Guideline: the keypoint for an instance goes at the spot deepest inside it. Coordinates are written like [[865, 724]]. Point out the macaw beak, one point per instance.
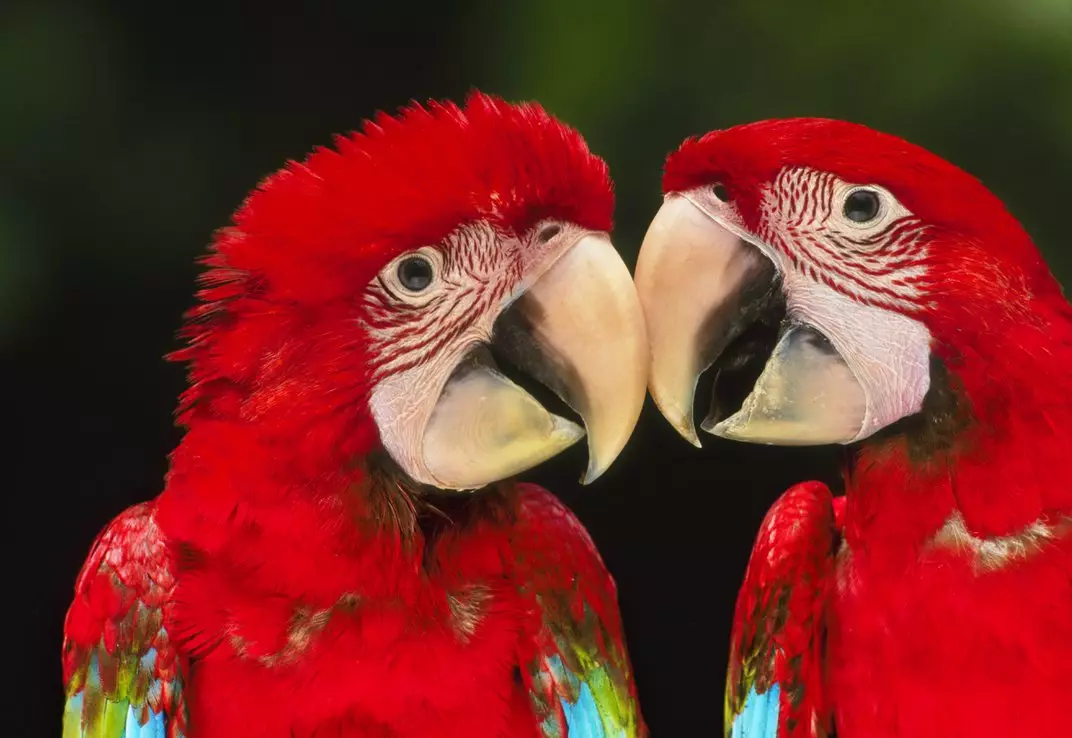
[[579, 330], [713, 298]]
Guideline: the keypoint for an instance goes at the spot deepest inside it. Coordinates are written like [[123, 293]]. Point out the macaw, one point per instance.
[[844, 286], [339, 548]]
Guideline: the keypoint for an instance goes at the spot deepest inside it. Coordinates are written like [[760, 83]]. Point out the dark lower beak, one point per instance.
[[708, 295], [579, 330]]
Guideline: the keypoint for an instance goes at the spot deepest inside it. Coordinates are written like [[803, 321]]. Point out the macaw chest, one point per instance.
[[939, 647], [365, 669]]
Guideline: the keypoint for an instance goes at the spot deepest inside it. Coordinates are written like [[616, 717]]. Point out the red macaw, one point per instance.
[[847, 287], [317, 564]]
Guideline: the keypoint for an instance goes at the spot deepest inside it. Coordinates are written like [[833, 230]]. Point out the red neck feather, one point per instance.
[[1007, 463]]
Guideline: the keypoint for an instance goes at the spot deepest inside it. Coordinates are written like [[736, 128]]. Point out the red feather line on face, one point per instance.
[[473, 255], [973, 250], [885, 269], [305, 244]]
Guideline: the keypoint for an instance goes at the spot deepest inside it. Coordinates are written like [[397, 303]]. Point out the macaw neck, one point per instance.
[[991, 446], [310, 527]]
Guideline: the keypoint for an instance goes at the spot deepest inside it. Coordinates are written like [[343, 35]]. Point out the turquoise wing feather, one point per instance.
[[123, 677], [775, 686], [580, 679], [759, 715]]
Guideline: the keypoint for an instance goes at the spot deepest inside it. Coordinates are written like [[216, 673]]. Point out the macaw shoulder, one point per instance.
[[129, 560], [123, 675], [555, 527], [776, 685]]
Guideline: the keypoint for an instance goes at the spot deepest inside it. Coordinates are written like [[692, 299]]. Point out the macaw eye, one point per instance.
[[415, 273], [548, 232], [862, 206], [719, 190]]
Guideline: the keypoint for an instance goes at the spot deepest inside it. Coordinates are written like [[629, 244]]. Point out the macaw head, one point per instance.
[[820, 268], [379, 296]]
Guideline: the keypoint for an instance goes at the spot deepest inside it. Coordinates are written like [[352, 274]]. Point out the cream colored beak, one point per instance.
[[693, 278], [578, 330], [701, 286], [806, 396]]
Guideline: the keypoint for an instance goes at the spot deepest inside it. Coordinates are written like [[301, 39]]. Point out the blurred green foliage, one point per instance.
[[986, 84], [113, 165]]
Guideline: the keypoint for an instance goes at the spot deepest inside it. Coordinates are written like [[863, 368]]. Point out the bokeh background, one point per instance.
[[130, 131]]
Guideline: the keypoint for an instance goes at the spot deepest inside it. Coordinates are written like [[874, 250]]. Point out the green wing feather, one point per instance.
[[580, 679], [123, 676]]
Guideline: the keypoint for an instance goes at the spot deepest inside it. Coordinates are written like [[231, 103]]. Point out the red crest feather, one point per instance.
[[309, 238]]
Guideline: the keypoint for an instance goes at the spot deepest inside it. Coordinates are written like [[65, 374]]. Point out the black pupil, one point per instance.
[[415, 273], [721, 192], [861, 206], [549, 232]]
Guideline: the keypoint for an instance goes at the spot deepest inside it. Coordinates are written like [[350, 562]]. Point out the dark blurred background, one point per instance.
[[129, 132]]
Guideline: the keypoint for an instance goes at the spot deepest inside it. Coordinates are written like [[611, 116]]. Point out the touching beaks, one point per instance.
[[693, 278], [579, 330], [713, 300]]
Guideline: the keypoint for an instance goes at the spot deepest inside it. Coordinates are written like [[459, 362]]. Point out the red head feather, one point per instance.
[[285, 278], [969, 272], [978, 251]]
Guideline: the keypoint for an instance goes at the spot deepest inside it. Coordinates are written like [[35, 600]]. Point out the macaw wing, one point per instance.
[[580, 679], [775, 685], [122, 675]]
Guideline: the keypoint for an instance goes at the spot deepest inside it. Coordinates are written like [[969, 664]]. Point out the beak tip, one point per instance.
[[687, 430], [728, 429], [594, 471], [715, 428], [675, 405], [599, 460]]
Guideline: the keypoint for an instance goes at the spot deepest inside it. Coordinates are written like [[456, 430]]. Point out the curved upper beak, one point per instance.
[[696, 283], [702, 286], [579, 330]]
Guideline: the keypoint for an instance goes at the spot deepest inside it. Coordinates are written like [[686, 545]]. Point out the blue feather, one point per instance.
[[759, 716], [582, 717], [155, 726], [159, 727], [132, 729], [74, 703], [148, 661]]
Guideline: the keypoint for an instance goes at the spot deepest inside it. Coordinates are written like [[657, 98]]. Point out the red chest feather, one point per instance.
[[299, 626], [369, 670], [941, 648]]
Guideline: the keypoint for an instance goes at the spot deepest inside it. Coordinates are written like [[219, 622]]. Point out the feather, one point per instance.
[[580, 684], [120, 669], [775, 684]]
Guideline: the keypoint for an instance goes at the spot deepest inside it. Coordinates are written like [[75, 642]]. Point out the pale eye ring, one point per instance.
[[415, 273], [862, 206]]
